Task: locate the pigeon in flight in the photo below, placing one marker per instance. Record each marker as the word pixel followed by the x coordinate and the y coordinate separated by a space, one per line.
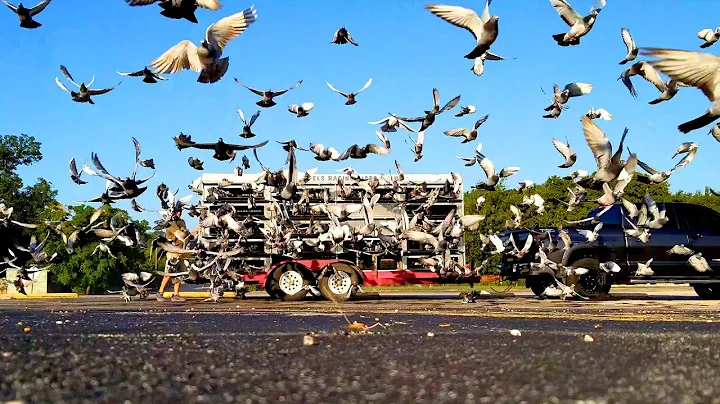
pixel 206 59
pixel 484 29
pixel 179 9
pixel 25 15
pixel 342 36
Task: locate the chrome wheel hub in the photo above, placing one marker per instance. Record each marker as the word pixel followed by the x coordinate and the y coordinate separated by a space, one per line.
pixel 339 283
pixel 291 282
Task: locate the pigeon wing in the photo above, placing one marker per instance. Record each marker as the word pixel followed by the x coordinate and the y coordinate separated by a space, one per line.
pixel 228 28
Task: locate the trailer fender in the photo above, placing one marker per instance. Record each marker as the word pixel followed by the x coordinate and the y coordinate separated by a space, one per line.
pixel 307 273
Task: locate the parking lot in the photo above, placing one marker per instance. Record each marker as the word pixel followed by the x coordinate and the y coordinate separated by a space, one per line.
pixel 641 345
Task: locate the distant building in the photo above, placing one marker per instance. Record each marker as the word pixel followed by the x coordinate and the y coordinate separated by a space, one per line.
pixel 39 287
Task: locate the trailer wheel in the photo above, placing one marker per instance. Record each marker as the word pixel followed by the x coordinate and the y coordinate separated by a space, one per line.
pixel 338 285
pixel 287 282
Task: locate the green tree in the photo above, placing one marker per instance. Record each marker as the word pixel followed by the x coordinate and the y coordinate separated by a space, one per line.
pixel 29 202
pixel 83 271
pixel 17 151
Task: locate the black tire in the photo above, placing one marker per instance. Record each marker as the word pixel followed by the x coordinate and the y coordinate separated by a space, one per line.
pixel 272 283
pixel 707 291
pixel 270 287
pixel 325 287
pixel 538 283
pixel 595 283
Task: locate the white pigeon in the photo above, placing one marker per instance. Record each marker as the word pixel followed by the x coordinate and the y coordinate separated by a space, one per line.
pixel 698 262
pixel 610 266
pixel 302 109
pixel 391 123
pixel 599 113
pixel 680 249
pixel 567 152
pixel 631 208
pixel 690 150
pixel 206 59
pixel 537 201
pixel 644 269
pixel 671 89
pixel 579 25
pixel 551 291
pixel 497 243
pixel 700 70
pixel 579 271
pixel 591 236
pixel 478 67
pixel 479 202
pixel 709 36
pixel 715 132
pixel 578 89
pixel 578 175
pixel 525 184
pixel 470 109
pixel 483 28
pixel 632 49
pixel 643 235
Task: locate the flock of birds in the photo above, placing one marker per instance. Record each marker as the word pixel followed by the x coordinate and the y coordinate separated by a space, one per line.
pixel 215 259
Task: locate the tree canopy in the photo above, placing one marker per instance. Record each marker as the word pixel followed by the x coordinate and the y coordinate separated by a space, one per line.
pixel 28 202
pixel 36 204
pixel 88 268
pixel 17 151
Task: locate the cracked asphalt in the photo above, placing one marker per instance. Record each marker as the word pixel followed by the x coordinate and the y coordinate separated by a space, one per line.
pixel 103 351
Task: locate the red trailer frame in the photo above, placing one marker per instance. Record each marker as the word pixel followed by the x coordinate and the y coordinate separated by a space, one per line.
pixel 323 272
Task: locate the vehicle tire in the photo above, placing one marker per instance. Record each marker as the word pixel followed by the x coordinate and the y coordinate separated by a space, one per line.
pixel 538 283
pixel 593 284
pixel 287 282
pixel 338 287
pixel 707 291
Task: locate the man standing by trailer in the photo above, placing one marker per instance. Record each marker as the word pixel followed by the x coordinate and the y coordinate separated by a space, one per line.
pixel 177 233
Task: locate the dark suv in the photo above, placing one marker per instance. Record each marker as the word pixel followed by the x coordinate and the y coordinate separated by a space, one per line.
pixel 694 226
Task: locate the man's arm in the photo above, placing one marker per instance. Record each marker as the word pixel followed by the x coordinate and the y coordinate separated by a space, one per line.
pixel 180 235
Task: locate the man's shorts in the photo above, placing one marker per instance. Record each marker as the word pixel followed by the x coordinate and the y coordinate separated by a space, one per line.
pixel 175 263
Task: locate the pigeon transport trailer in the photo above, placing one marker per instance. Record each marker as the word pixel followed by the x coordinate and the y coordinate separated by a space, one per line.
pixel 336 276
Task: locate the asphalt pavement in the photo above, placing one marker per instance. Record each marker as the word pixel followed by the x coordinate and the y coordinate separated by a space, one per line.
pixel 105 351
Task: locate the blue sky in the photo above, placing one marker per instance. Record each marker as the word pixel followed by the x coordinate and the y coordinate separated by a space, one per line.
pixel 404 48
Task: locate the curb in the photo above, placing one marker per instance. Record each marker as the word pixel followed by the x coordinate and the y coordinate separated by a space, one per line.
pixel 196 294
pixel 40 296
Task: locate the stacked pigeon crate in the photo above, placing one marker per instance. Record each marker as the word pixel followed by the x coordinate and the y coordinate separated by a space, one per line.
pixel 238 189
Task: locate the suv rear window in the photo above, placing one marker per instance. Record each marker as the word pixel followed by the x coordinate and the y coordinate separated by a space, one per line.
pixel 611 218
pixel 697 217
